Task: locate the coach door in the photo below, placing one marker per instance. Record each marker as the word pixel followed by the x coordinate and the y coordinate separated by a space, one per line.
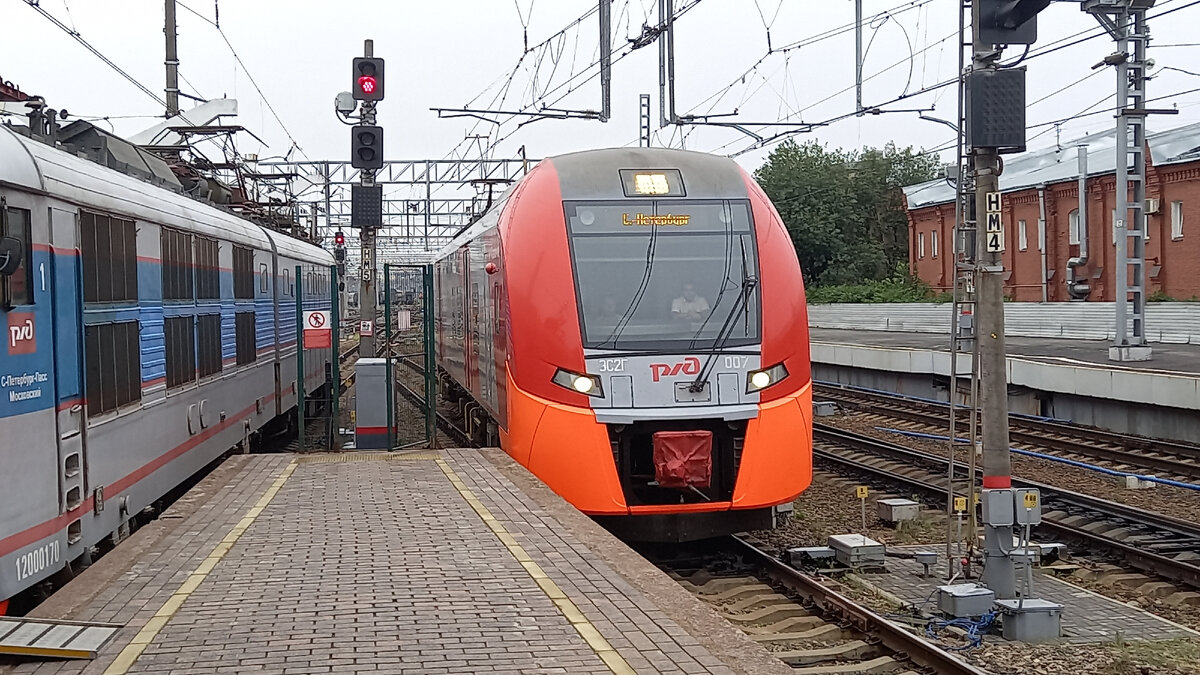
pixel 59 268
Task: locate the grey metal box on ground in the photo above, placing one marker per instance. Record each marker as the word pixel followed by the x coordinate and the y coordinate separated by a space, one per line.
pixel 856 549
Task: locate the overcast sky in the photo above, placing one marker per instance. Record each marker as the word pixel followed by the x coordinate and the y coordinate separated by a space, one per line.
pixel 451 52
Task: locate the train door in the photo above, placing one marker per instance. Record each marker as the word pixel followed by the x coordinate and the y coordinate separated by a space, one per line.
pixel 60 270
pixel 468 302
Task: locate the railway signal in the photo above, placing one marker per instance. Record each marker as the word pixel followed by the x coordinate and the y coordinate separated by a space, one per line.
pixel 368 79
pixel 1009 22
pixel 366 147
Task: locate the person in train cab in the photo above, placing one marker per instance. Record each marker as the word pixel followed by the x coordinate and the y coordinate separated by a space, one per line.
pixel 690 306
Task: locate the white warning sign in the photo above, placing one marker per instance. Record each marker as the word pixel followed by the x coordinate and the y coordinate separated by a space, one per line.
pixel 994 241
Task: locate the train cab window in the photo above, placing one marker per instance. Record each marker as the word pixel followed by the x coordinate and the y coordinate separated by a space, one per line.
pixel 665 274
pixel 108 245
pixel 176 265
pixel 113 375
pixel 208 269
pixel 17 288
pixel 243 273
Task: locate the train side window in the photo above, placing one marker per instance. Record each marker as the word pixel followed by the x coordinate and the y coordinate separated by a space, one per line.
pixel 264 283
pixel 208 269
pixel 288 288
pixel 17 288
pixel 176 265
pixel 243 273
pixel 247 340
pixel 180 337
pixel 109 249
pixel 114 376
pixel 208 334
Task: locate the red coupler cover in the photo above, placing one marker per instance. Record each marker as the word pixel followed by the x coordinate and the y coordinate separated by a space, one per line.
pixel 683 458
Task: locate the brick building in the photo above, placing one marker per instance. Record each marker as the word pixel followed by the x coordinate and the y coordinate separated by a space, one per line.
pixel 1050 175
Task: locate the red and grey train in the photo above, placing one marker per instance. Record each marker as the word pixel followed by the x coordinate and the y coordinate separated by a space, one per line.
pixel 630 325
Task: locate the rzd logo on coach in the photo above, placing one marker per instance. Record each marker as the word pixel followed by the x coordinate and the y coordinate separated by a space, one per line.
pixel 22 336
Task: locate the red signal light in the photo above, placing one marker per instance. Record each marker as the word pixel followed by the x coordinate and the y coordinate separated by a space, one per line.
pixel 367 84
pixel 339 239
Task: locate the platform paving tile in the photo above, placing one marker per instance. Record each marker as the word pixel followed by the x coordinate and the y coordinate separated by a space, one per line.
pixel 646 636
pixel 378 566
pixel 1087 616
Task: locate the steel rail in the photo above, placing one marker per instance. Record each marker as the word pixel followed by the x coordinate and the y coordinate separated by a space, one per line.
pixel 1187 533
pixel 1183 459
pixel 830 602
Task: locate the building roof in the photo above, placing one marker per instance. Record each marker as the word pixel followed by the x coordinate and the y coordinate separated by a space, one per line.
pixel 1058 164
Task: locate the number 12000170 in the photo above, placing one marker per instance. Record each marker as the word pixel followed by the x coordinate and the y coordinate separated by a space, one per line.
pixel 38 559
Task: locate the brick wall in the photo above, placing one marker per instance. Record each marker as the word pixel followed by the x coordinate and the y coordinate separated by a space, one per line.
pixel 1172 263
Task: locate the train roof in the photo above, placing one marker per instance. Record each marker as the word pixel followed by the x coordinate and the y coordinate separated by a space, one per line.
pixel 595 174
pixel 35 166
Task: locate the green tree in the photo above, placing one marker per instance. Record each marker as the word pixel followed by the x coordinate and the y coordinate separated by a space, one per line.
pixel 845 209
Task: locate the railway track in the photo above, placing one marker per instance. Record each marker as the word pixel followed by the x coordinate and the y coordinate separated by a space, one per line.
pixel 805 621
pixel 444 422
pixel 1150 541
pixel 1165 459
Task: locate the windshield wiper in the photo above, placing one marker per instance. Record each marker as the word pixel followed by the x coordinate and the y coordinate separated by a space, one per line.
pixel 748 285
pixel 623 322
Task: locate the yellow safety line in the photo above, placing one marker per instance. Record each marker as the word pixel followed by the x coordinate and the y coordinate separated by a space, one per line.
pixel 615 662
pixel 146 635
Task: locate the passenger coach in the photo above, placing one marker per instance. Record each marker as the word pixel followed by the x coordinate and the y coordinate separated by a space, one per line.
pixel 630 325
pixel 147 332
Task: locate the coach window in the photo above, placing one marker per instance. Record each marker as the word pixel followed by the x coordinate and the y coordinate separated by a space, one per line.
pixel 208 334
pixel 181 350
pixel 17 288
pixel 109 250
pixel 264 283
pixel 243 273
pixel 247 341
pixel 114 377
pixel 176 265
pixel 208 269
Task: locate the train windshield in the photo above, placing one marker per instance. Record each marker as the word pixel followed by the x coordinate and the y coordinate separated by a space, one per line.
pixel 665 275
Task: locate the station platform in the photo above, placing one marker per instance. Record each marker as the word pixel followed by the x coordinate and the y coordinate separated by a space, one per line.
pixel 1087 617
pixel 1055 365
pixel 452 561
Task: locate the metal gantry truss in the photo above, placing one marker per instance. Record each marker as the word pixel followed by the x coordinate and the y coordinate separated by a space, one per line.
pixel 416 224
pixel 1125 21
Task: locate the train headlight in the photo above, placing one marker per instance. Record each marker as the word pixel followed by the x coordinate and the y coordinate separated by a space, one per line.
pixel 578 382
pixel 757 380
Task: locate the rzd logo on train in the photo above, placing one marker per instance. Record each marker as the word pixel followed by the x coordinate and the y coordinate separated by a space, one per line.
pixel 22 336
pixel 688 366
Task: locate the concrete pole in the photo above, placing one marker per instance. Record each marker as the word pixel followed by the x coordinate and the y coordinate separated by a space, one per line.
pixel 172 60
pixel 999 573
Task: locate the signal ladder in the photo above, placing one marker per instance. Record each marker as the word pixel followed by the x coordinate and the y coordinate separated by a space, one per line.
pixel 963 305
